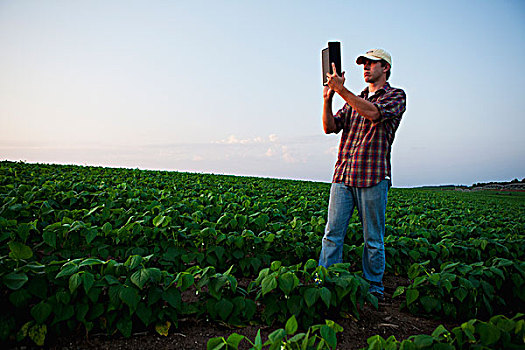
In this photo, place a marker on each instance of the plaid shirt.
(364, 150)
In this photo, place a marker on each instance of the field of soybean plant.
(96, 257)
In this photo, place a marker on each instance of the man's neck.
(373, 87)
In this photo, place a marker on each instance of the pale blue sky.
(234, 87)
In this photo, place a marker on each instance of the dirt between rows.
(192, 334)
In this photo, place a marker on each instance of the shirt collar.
(385, 88)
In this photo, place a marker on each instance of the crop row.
(112, 296)
(229, 241)
(469, 290)
(499, 332)
(188, 219)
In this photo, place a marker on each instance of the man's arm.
(365, 108)
(328, 117)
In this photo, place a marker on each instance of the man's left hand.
(335, 82)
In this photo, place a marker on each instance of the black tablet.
(329, 55)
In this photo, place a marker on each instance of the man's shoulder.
(390, 88)
(393, 93)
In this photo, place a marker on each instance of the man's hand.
(328, 93)
(335, 82)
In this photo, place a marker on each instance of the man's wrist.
(340, 90)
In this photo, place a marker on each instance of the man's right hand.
(328, 93)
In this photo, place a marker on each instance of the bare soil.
(192, 334)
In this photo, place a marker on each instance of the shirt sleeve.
(341, 116)
(391, 104)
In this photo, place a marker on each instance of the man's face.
(372, 71)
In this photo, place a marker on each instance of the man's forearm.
(365, 108)
(328, 117)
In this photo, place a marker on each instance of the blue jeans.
(371, 207)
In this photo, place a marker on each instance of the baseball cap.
(375, 55)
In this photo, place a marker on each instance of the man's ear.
(386, 68)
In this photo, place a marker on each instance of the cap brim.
(361, 58)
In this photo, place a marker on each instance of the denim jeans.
(371, 207)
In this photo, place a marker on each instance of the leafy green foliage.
(499, 332)
(318, 337)
(469, 290)
(116, 250)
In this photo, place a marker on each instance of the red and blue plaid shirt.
(364, 150)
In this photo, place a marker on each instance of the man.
(362, 172)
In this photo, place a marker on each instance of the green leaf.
(185, 281)
(336, 327)
(412, 295)
(216, 343)
(14, 280)
(234, 340)
(311, 295)
(295, 304)
(140, 277)
(310, 264)
(326, 295)
(19, 251)
(37, 333)
(269, 238)
(82, 310)
(224, 308)
(106, 228)
(268, 284)
(133, 261)
(277, 336)
(163, 328)
(296, 338)
(399, 290)
(87, 280)
(291, 325)
(328, 334)
(160, 220)
(24, 330)
(91, 235)
(422, 341)
(489, 333)
(46, 208)
(129, 296)
(20, 298)
(67, 270)
(275, 265)
(461, 294)
(50, 238)
(173, 297)
(144, 313)
(41, 312)
(74, 281)
(91, 262)
(286, 282)
(449, 309)
(125, 325)
(440, 330)
(430, 303)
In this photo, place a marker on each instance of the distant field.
(121, 251)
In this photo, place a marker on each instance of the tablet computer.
(329, 55)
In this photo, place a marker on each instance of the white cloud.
(232, 140)
(332, 151)
(287, 155)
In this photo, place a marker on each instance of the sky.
(234, 87)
